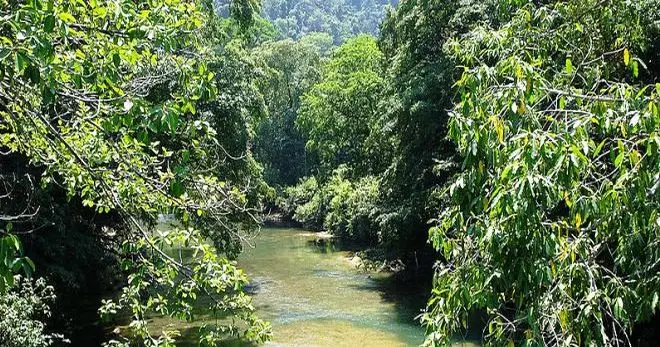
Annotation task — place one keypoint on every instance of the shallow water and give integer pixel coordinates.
(314, 296)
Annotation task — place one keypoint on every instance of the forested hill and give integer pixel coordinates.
(339, 18)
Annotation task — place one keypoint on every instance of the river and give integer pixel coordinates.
(314, 296)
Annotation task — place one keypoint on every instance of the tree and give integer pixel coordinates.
(118, 102)
(417, 96)
(290, 68)
(341, 19)
(71, 245)
(340, 115)
(553, 224)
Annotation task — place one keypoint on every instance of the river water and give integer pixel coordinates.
(314, 296)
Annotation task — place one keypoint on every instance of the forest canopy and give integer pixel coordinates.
(507, 152)
(341, 19)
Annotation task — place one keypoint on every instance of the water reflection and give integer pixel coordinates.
(323, 245)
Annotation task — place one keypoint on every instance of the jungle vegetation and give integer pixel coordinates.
(510, 147)
(341, 19)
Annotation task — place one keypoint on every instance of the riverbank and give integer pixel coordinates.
(277, 220)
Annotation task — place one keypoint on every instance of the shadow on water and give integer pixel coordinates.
(409, 293)
(407, 290)
(327, 245)
(324, 245)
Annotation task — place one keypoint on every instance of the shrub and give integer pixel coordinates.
(296, 196)
(24, 307)
(344, 208)
(352, 211)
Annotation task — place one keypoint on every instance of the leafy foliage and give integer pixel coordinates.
(543, 176)
(381, 108)
(11, 259)
(344, 208)
(303, 203)
(119, 102)
(176, 293)
(24, 305)
(553, 224)
(71, 245)
(352, 208)
(340, 114)
(417, 97)
(290, 68)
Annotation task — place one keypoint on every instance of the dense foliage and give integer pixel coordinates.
(69, 244)
(553, 224)
(340, 115)
(341, 19)
(419, 93)
(24, 306)
(380, 108)
(289, 69)
(543, 175)
(526, 132)
(118, 104)
(343, 207)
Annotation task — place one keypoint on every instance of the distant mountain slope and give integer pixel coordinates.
(339, 18)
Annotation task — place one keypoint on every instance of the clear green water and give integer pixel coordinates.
(314, 296)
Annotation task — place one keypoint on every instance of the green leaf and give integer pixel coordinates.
(618, 308)
(188, 107)
(116, 59)
(66, 17)
(100, 12)
(618, 160)
(176, 188)
(4, 53)
(15, 242)
(21, 62)
(172, 121)
(32, 73)
(49, 23)
(599, 148)
(569, 66)
(626, 56)
(154, 125)
(143, 137)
